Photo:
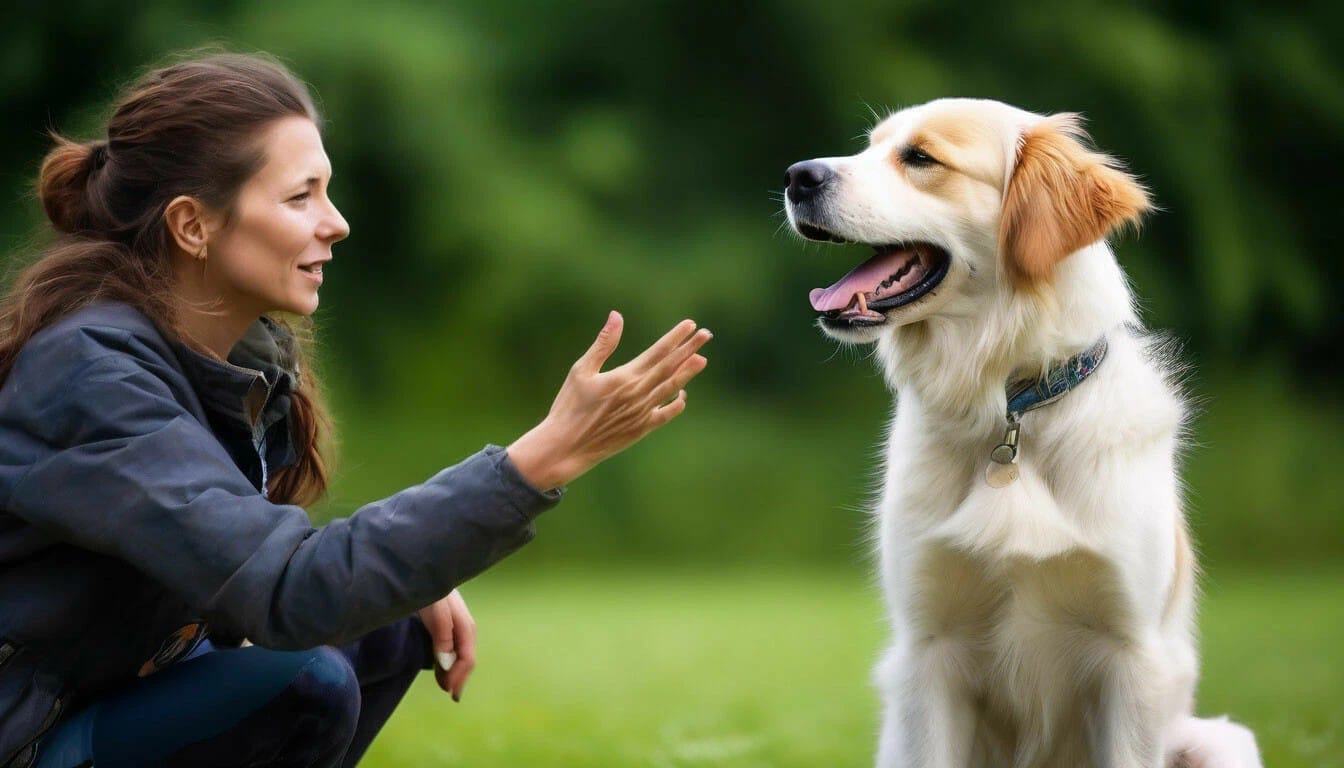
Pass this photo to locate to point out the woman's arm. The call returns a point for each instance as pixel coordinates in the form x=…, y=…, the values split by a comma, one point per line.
x=106, y=458
x=97, y=449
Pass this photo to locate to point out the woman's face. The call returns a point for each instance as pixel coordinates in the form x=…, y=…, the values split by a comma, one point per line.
x=269, y=255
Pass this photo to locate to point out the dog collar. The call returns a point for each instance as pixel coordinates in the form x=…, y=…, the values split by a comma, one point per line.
x=1029, y=395
x=1025, y=396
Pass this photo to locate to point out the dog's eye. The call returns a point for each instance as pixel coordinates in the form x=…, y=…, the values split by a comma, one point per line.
x=917, y=158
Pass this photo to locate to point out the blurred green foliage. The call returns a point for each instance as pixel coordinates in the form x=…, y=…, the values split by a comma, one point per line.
x=513, y=169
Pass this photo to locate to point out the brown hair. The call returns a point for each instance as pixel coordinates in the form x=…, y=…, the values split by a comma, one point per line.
x=188, y=128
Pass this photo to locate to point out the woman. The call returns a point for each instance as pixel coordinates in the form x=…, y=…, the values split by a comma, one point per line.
x=159, y=433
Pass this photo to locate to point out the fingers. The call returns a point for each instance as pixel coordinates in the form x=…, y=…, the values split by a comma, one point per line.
x=665, y=413
x=438, y=619
x=660, y=349
x=599, y=414
x=464, y=637
x=677, y=357
x=603, y=345
x=689, y=369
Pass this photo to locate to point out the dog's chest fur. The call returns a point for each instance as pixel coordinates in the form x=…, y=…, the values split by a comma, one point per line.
x=1021, y=590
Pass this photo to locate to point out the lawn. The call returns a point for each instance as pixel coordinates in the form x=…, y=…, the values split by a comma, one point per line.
x=769, y=668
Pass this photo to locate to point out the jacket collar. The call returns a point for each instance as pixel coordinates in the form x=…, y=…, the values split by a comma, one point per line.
x=253, y=387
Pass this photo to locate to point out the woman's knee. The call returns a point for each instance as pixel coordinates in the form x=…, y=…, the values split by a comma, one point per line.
x=249, y=706
x=311, y=722
x=326, y=687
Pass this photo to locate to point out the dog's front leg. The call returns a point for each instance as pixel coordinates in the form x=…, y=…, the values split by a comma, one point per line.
x=1126, y=727
x=930, y=719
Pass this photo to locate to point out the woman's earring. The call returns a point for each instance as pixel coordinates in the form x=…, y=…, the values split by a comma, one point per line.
x=200, y=255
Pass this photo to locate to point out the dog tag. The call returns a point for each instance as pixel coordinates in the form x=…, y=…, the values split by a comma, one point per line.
x=1000, y=475
x=1003, y=470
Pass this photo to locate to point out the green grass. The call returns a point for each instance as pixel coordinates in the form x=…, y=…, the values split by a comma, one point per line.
x=746, y=669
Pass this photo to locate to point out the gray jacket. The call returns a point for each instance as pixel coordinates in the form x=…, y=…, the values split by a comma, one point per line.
x=132, y=503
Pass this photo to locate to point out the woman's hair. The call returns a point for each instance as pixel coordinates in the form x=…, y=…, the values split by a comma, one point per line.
x=190, y=128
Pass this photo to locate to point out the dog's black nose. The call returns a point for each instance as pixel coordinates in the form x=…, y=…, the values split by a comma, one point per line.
x=806, y=179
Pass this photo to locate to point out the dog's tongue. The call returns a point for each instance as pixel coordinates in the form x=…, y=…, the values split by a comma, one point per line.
x=864, y=278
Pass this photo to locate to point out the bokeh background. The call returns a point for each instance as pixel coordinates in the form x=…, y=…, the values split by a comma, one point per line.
x=512, y=169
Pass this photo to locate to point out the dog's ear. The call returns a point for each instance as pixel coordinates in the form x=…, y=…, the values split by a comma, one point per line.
x=1062, y=197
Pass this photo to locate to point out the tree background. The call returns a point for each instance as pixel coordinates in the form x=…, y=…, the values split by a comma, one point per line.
x=513, y=169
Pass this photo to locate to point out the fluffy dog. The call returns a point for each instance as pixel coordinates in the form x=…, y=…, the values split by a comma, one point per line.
x=1040, y=578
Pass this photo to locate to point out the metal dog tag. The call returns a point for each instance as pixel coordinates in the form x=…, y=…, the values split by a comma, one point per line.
x=1001, y=475
x=1003, y=470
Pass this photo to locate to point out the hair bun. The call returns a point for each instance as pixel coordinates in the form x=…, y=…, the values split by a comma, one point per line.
x=63, y=182
x=98, y=154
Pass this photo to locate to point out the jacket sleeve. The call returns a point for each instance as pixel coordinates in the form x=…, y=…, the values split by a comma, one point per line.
x=127, y=471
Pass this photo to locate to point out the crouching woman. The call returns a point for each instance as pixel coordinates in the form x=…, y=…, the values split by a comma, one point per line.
x=160, y=435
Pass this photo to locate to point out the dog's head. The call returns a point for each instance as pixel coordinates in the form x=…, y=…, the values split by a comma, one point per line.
x=964, y=202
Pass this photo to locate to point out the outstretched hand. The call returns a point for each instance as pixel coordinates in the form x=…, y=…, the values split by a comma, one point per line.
x=598, y=414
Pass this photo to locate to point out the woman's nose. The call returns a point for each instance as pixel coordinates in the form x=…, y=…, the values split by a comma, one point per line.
x=334, y=226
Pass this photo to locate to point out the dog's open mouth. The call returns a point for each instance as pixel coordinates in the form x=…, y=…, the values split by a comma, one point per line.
x=895, y=276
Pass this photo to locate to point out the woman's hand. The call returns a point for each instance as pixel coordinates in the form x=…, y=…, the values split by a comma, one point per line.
x=452, y=633
x=597, y=414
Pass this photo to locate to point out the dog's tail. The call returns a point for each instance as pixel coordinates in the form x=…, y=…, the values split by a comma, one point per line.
x=1196, y=742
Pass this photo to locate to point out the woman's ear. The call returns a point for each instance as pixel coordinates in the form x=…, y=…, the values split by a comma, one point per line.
x=185, y=218
x=1062, y=197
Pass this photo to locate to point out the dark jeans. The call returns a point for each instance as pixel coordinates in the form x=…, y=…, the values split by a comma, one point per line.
x=236, y=708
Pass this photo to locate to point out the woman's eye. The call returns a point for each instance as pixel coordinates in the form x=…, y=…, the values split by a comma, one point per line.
x=914, y=156
x=300, y=197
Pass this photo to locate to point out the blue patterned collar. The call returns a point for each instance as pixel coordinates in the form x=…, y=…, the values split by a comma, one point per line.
x=1025, y=396
x=1028, y=395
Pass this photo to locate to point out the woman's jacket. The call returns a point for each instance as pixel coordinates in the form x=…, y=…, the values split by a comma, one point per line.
x=132, y=506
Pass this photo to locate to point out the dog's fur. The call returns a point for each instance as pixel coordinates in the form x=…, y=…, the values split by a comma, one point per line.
x=1049, y=622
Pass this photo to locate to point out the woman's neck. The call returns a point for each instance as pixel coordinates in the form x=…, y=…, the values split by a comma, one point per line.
x=208, y=319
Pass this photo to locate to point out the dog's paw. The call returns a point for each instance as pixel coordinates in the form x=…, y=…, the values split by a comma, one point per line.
x=1213, y=743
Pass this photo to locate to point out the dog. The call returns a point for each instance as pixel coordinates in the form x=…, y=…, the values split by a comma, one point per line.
x=1036, y=563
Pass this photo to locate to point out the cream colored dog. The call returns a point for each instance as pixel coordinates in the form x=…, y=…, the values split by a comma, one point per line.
x=1042, y=606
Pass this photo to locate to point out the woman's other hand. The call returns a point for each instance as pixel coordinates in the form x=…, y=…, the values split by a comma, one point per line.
x=598, y=414
x=452, y=633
